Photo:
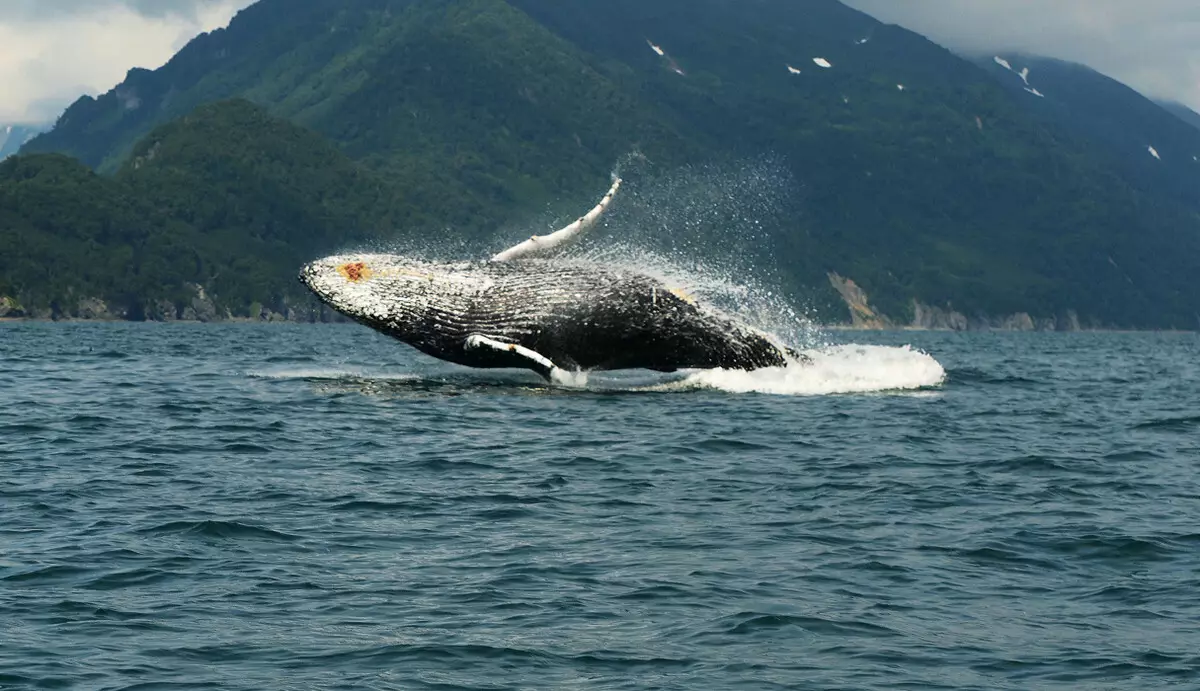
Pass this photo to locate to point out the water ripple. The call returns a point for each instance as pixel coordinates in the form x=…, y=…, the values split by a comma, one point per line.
x=279, y=507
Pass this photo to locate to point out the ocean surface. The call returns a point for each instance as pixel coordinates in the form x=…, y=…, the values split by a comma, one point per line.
x=294, y=507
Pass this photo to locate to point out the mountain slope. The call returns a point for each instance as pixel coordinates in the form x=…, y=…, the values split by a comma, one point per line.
x=227, y=198
x=1182, y=112
x=919, y=176
x=395, y=82
x=1152, y=147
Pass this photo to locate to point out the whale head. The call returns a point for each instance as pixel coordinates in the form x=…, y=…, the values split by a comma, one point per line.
x=388, y=291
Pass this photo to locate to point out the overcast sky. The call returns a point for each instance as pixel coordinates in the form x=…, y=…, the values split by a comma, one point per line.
x=52, y=51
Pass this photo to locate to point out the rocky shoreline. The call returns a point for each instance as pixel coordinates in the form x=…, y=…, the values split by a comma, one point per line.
x=201, y=308
x=935, y=318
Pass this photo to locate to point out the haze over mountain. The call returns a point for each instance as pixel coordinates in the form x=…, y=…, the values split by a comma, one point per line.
x=1182, y=112
x=940, y=187
x=14, y=136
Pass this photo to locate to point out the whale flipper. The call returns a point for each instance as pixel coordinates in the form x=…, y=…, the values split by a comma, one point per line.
x=543, y=244
x=513, y=355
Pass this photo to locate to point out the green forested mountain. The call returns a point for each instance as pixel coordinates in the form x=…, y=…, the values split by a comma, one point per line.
x=1156, y=150
x=918, y=174
x=227, y=198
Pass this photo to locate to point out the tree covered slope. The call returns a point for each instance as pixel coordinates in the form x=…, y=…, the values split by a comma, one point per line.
x=919, y=175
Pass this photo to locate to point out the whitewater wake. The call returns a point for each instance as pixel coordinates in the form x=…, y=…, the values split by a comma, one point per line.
x=847, y=369
x=832, y=370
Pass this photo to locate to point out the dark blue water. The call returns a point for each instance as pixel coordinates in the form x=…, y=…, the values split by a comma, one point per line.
x=287, y=507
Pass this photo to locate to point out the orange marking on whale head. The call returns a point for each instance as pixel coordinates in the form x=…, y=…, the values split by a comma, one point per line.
x=355, y=272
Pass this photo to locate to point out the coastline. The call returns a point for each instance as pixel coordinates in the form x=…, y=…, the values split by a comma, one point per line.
x=838, y=327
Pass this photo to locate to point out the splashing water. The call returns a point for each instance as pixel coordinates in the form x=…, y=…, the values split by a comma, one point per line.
x=845, y=369
x=833, y=370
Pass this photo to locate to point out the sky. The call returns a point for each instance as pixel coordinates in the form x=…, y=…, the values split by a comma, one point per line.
x=53, y=51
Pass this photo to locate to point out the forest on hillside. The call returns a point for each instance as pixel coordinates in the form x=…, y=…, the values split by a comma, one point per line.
x=303, y=129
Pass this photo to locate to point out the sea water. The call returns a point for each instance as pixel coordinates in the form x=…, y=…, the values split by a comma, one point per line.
x=285, y=507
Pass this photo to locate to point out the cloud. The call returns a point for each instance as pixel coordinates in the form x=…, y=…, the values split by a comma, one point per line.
x=35, y=10
x=1151, y=45
x=51, y=53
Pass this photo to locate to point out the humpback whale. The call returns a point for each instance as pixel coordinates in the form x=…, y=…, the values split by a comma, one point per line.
x=522, y=310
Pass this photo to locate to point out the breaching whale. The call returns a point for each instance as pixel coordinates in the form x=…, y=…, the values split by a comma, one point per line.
x=521, y=310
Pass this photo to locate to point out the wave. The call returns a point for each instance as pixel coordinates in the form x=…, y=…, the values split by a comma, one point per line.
x=219, y=529
x=329, y=374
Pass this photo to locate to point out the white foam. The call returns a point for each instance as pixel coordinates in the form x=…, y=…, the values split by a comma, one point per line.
x=861, y=41
x=656, y=49
x=822, y=62
x=900, y=87
x=1153, y=152
x=793, y=70
x=1035, y=92
x=569, y=379
x=834, y=370
x=1024, y=75
x=1003, y=63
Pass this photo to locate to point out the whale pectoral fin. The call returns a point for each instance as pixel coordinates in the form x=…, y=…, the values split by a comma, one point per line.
x=541, y=244
x=515, y=355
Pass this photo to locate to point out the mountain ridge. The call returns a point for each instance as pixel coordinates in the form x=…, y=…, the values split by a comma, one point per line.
x=924, y=180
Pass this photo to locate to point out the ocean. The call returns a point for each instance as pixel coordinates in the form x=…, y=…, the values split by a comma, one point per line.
x=316, y=506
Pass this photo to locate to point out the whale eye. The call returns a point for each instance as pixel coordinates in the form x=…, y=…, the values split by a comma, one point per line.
x=355, y=271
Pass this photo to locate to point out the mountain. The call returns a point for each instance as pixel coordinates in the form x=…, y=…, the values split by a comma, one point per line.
x=1182, y=112
x=13, y=137
x=1152, y=147
x=225, y=202
x=923, y=186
